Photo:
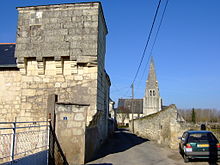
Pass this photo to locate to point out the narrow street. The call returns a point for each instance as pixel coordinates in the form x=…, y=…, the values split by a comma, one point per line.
x=125, y=148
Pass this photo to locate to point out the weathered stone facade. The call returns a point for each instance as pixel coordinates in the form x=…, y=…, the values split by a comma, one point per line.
x=60, y=50
x=70, y=130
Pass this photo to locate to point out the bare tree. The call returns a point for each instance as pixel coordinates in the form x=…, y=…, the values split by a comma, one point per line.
x=202, y=115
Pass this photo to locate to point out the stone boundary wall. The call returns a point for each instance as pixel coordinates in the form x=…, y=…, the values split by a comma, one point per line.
x=70, y=130
x=163, y=127
x=10, y=95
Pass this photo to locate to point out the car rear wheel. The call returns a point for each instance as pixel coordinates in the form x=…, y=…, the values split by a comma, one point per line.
x=186, y=159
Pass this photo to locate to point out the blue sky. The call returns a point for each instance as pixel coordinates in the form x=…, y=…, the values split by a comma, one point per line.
x=186, y=53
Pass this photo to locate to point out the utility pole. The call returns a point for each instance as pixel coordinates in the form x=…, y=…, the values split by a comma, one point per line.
x=132, y=108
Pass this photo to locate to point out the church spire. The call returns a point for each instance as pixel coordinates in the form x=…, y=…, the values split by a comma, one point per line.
x=152, y=79
x=152, y=100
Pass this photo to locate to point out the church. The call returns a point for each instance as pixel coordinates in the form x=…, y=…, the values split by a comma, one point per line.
x=152, y=101
x=150, y=104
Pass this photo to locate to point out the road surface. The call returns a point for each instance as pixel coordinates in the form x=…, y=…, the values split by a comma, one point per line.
x=125, y=148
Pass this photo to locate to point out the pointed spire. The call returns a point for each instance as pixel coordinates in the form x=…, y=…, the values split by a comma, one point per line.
x=152, y=100
x=152, y=74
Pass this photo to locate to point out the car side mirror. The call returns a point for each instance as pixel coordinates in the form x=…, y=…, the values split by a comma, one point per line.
x=181, y=138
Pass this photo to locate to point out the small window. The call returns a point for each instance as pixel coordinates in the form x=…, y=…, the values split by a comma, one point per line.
x=150, y=93
x=154, y=93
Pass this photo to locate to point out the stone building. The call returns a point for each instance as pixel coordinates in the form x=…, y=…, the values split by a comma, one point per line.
x=129, y=109
x=112, y=110
x=60, y=71
x=152, y=102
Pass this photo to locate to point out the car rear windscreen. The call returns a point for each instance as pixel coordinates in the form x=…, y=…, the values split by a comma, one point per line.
x=201, y=137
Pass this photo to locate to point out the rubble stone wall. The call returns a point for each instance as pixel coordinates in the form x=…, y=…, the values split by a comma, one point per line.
x=163, y=127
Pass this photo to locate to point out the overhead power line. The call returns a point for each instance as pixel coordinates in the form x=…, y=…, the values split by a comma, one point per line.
x=148, y=39
x=161, y=20
x=155, y=39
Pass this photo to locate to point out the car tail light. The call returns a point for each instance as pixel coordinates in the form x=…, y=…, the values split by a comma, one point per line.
x=188, y=145
x=218, y=145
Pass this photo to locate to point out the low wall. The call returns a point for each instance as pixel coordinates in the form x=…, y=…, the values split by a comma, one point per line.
x=163, y=127
x=70, y=131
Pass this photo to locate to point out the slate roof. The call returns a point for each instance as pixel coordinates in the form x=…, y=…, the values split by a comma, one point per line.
x=127, y=105
x=7, y=51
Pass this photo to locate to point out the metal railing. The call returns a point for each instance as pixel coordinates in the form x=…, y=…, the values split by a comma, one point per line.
x=19, y=139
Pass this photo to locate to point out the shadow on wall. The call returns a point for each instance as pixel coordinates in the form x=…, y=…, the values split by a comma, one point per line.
x=120, y=141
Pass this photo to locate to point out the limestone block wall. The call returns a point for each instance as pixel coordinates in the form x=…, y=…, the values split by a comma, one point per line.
x=58, y=40
x=67, y=30
x=10, y=95
x=26, y=96
x=79, y=87
x=71, y=124
x=162, y=127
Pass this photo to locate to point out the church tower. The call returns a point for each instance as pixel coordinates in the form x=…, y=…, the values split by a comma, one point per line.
x=152, y=100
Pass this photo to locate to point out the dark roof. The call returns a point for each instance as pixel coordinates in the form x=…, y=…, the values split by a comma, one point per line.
x=7, y=51
x=129, y=105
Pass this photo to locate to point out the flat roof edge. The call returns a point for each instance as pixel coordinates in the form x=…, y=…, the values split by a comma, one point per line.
x=57, y=5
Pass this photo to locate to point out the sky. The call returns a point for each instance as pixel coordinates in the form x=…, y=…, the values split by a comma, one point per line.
x=186, y=53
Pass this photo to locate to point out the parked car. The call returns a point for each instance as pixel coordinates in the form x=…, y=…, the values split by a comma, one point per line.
x=199, y=145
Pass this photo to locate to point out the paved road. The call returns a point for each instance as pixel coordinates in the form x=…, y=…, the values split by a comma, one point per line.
x=124, y=148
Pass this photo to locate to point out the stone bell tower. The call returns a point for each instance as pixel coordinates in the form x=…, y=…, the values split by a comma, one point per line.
x=152, y=100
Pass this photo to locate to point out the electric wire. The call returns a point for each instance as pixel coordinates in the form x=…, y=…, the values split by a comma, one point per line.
x=155, y=39
x=148, y=39
x=145, y=48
